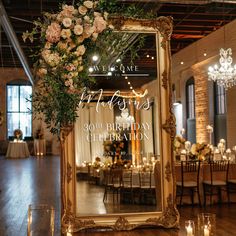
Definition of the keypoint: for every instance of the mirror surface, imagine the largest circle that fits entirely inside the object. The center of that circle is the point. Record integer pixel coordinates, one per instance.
(117, 135)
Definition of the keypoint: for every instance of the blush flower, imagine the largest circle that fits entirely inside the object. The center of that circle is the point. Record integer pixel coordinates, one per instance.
(65, 33)
(88, 4)
(67, 22)
(83, 10)
(99, 24)
(78, 29)
(53, 32)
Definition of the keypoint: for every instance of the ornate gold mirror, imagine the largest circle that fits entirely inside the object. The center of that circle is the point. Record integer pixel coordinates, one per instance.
(126, 129)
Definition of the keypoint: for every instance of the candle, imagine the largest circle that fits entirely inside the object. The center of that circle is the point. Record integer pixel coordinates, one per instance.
(206, 231)
(189, 230)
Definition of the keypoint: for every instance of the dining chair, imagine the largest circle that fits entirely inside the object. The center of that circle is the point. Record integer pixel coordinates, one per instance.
(189, 183)
(107, 181)
(218, 180)
(147, 189)
(231, 183)
(126, 191)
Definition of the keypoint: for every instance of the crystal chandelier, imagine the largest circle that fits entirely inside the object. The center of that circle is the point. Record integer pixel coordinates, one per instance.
(225, 75)
(125, 120)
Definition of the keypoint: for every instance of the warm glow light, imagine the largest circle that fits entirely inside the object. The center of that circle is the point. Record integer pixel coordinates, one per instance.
(131, 87)
(181, 62)
(109, 73)
(126, 77)
(95, 58)
(225, 74)
(118, 60)
(128, 82)
(148, 55)
(90, 69)
(152, 58)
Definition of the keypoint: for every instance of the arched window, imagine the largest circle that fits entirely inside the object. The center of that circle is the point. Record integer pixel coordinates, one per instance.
(220, 100)
(190, 110)
(220, 113)
(190, 94)
(19, 108)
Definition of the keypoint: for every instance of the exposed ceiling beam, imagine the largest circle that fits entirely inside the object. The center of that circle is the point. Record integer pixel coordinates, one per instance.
(6, 25)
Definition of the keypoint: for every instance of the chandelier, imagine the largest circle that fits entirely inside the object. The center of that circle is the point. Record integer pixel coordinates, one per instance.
(225, 75)
(125, 120)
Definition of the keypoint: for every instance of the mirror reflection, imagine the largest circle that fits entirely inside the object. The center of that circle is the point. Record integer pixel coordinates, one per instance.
(117, 133)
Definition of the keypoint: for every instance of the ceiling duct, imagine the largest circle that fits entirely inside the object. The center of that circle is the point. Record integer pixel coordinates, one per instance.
(9, 31)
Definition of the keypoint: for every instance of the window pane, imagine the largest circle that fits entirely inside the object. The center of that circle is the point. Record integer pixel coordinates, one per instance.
(13, 98)
(25, 124)
(13, 123)
(25, 92)
(19, 115)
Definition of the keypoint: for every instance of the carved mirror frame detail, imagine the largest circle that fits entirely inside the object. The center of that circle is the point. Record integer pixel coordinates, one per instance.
(169, 217)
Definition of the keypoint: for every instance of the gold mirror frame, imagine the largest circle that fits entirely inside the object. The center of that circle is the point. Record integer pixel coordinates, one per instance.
(169, 217)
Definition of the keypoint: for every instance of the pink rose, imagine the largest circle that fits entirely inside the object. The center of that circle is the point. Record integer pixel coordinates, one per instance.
(83, 10)
(99, 24)
(53, 33)
(88, 30)
(78, 29)
(88, 4)
(67, 22)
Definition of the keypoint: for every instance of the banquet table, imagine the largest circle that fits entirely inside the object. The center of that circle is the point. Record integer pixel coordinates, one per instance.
(39, 147)
(17, 150)
(205, 175)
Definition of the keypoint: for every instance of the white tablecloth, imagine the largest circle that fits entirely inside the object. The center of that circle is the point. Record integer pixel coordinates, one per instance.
(17, 150)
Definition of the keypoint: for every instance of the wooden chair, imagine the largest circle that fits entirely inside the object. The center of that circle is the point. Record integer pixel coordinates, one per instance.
(112, 181)
(189, 184)
(147, 189)
(218, 180)
(231, 184)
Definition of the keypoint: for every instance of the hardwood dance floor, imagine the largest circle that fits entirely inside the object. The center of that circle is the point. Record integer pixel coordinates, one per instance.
(36, 180)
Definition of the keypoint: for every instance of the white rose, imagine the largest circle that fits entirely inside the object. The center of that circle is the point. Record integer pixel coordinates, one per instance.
(83, 10)
(67, 22)
(88, 4)
(78, 29)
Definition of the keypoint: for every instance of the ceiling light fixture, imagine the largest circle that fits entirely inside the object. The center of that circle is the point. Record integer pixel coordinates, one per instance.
(225, 74)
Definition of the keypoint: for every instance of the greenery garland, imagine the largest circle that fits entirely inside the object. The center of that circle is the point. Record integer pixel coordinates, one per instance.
(67, 40)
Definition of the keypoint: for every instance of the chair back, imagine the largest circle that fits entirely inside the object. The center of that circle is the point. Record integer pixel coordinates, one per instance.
(190, 168)
(116, 177)
(217, 167)
(127, 178)
(145, 179)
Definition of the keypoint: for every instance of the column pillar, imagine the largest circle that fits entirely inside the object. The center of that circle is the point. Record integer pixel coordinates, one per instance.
(201, 104)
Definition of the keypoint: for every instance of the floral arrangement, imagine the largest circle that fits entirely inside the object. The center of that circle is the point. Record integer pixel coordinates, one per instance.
(201, 151)
(67, 39)
(115, 149)
(18, 134)
(179, 144)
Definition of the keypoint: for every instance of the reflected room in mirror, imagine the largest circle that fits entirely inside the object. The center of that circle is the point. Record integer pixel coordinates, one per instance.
(117, 159)
(117, 134)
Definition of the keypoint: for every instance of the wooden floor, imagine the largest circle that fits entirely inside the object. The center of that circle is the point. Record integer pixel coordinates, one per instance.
(33, 180)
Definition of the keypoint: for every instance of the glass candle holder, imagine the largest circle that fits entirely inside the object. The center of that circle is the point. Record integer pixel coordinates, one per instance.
(40, 220)
(206, 224)
(190, 228)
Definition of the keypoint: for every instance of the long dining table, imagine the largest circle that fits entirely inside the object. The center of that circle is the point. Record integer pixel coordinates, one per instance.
(206, 175)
